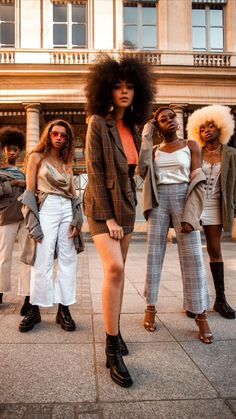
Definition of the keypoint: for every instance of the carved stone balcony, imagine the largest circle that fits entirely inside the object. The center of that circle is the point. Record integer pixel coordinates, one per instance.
(211, 60)
(85, 57)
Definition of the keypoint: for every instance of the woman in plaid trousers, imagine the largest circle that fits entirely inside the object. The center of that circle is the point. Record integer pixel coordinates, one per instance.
(173, 195)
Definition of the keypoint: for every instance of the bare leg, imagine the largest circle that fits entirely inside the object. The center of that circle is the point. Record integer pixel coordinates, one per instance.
(213, 239)
(113, 255)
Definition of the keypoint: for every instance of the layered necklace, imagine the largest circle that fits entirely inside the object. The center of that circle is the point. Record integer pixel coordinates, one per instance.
(212, 151)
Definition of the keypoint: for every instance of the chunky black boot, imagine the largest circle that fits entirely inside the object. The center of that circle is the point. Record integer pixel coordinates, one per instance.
(118, 371)
(26, 306)
(1, 295)
(123, 346)
(221, 305)
(32, 317)
(64, 318)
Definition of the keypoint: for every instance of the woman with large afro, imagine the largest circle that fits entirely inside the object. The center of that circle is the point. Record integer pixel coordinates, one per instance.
(119, 95)
(212, 126)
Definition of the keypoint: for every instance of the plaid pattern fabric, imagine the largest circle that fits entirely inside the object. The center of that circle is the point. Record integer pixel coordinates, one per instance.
(171, 206)
(108, 193)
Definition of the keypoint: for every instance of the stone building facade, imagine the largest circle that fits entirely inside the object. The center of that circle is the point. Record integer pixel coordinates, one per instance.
(48, 46)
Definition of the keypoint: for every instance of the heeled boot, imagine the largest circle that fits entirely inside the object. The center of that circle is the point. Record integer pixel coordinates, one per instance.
(123, 346)
(64, 318)
(118, 371)
(1, 295)
(221, 305)
(26, 306)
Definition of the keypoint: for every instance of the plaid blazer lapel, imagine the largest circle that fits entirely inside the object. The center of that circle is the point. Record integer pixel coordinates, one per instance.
(111, 125)
(137, 140)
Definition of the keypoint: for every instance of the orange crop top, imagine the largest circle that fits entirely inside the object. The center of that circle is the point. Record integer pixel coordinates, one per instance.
(127, 142)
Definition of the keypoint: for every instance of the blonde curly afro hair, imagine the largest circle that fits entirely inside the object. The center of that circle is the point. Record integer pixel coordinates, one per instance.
(221, 117)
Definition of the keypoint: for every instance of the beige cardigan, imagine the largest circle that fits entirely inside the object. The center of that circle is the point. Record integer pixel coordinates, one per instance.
(195, 193)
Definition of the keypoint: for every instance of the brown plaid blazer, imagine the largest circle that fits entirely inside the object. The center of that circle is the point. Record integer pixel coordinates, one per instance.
(107, 194)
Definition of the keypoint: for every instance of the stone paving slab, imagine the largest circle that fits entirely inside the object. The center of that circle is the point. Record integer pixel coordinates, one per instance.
(132, 303)
(232, 404)
(48, 331)
(175, 375)
(47, 373)
(159, 371)
(218, 363)
(186, 409)
(132, 330)
(50, 411)
(185, 329)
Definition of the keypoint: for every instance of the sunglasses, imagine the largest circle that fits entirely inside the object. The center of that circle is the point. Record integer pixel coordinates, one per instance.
(56, 134)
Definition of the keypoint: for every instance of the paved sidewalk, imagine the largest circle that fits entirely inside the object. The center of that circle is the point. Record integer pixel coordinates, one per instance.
(48, 373)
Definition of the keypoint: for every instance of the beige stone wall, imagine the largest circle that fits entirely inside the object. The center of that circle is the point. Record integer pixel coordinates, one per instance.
(174, 25)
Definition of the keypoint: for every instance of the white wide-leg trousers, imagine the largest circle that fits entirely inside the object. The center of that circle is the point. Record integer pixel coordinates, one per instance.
(55, 218)
(8, 235)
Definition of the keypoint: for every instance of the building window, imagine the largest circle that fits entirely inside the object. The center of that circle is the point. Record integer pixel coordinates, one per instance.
(140, 19)
(7, 25)
(208, 27)
(69, 25)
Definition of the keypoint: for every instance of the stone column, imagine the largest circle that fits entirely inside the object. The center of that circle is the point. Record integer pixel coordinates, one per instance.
(32, 124)
(179, 110)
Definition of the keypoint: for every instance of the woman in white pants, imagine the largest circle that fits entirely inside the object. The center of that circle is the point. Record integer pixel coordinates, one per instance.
(49, 176)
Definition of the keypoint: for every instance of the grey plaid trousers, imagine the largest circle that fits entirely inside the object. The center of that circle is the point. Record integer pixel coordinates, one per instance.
(171, 200)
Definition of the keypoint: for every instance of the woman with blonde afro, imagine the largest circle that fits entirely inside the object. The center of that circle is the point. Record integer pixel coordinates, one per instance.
(212, 126)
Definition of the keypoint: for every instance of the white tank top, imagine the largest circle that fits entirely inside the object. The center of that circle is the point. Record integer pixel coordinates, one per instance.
(172, 167)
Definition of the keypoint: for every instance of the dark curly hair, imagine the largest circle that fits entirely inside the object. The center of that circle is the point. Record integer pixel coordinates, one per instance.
(45, 144)
(104, 75)
(12, 136)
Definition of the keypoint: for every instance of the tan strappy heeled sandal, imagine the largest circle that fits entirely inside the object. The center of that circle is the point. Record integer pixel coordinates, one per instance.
(149, 319)
(205, 334)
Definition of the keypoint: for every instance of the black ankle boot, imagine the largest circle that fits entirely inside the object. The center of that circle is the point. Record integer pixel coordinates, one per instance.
(31, 318)
(118, 371)
(123, 346)
(221, 305)
(1, 295)
(64, 318)
(26, 306)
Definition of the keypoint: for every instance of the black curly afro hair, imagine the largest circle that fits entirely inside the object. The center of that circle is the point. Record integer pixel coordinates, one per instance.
(104, 75)
(12, 136)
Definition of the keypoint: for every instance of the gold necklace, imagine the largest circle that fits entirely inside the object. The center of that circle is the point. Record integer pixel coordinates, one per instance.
(172, 142)
(212, 151)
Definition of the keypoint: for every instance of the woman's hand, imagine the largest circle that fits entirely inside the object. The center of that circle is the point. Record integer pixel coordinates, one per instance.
(186, 228)
(73, 232)
(116, 232)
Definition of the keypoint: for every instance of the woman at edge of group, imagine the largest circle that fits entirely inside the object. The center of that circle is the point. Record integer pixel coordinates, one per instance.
(119, 95)
(212, 126)
(173, 193)
(49, 177)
